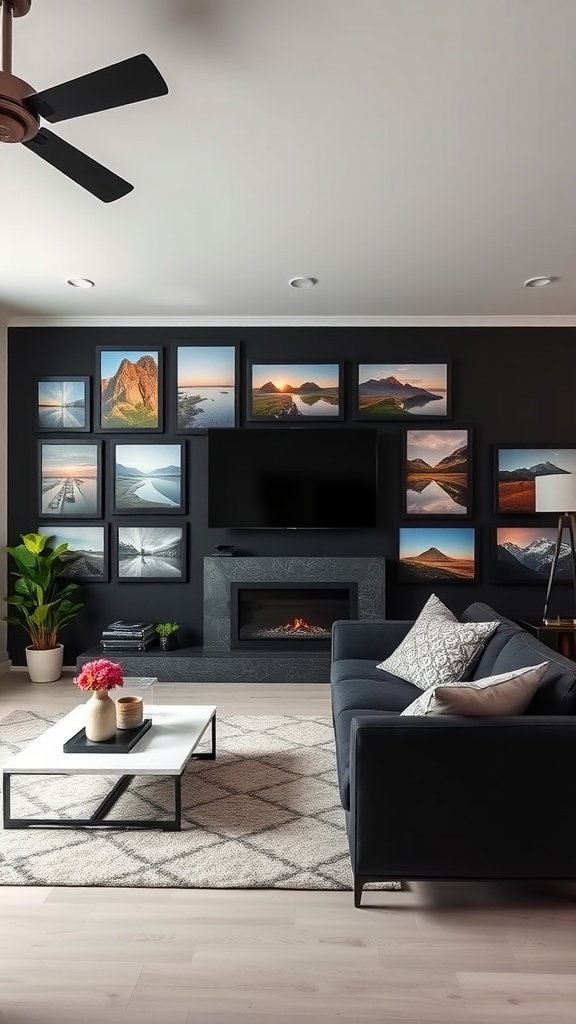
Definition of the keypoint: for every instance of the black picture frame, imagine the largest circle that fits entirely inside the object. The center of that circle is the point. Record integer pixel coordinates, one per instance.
(80, 573)
(182, 418)
(447, 465)
(115, 424)
(53, 501)
(162, 484)
(286, 414)
(517, 497)
(385, 369)
(145, 541)
(44, 427)
(522, 567)
(433, 569)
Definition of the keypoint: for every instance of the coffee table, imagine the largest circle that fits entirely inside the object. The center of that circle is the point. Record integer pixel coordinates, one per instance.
(164, 750)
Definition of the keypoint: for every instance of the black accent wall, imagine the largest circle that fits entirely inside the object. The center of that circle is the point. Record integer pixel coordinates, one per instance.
(509, 385)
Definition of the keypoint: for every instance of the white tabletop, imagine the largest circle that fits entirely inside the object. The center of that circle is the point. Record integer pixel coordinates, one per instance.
(164, 750)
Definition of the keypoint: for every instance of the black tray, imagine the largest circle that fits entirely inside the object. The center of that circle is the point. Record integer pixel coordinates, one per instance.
(121, 743)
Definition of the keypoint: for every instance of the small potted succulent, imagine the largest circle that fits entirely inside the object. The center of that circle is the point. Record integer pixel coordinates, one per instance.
(166, 631)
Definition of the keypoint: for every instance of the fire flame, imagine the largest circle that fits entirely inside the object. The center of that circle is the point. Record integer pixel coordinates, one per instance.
(297, 624)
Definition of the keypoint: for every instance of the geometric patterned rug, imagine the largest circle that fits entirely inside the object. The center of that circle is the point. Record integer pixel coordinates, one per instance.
(264, 815)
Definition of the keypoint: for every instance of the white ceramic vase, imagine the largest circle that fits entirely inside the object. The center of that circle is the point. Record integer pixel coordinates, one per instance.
(45, 666)
(100, 721)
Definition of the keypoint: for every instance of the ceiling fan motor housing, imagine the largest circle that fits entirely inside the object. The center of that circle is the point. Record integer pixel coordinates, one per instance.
(17, 124)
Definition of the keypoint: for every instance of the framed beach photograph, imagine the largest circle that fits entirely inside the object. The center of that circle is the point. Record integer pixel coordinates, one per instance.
(128, 388)
(63, 404)
(148, 477)
(443, 554)
(70, 479)
(206, 387)
(402, 391)
(437, 473)
(523, 473)
(150, 554)
(294, 392)
(87, 556)
(523, 554)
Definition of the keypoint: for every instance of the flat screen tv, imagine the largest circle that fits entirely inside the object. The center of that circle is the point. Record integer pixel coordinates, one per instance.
(292, 478)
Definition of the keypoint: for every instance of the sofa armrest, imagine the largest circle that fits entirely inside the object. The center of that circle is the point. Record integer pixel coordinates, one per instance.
(367, 639)
(463, 797)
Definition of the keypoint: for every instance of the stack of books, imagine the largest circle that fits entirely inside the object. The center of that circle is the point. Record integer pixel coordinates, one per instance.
(123, 635)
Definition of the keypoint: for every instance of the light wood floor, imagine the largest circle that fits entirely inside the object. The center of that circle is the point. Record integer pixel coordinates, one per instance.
(445, 952)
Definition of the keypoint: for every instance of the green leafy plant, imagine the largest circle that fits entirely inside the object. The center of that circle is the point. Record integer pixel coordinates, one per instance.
(43, 604)
(166, 628)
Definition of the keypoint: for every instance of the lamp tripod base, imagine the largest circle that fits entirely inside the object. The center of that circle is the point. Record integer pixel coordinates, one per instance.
(565, 521)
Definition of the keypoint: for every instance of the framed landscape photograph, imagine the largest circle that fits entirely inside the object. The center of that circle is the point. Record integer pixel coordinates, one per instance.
(294, 392)
(518, 470)
(64, 403)
(128, 391)
(402, 391)
(70, 479)
(437, 473)
(523, 554)
(151, 553)
(444, 554)
(87, 555)
(206, 386)
(148, 477)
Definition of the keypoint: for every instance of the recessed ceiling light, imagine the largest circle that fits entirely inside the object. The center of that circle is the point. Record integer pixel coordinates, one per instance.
(80, 282)
(303, 282)
(539, 282)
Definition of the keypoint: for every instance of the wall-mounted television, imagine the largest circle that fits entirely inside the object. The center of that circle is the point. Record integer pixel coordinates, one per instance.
(292, 478)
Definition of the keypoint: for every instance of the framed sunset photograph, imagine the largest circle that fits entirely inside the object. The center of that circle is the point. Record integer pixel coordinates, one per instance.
(70, 479)
(437, 555)
(87, 555)
(128, 391)
(148, 477)
(294, 392)
(523, 554)
(64, 404)
(206, 386)
(437, 473)
(151, 554)
(523, 473)
(402, 391)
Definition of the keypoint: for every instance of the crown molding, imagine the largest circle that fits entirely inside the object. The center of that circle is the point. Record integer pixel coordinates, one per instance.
(520, 320)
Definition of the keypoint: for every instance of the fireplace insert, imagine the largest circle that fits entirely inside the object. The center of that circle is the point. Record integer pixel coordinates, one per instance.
(290, 616)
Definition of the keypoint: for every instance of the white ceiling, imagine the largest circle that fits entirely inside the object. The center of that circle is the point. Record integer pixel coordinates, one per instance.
(416, 156)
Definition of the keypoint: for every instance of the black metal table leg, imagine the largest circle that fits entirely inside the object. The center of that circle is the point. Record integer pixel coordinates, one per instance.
(114, 795)
(6, 797)
(209, 755)
(178, 802)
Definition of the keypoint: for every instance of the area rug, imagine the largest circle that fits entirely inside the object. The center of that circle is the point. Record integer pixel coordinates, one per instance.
(264, 815)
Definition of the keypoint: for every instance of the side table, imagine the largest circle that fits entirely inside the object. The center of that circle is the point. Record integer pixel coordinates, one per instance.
(559, 636)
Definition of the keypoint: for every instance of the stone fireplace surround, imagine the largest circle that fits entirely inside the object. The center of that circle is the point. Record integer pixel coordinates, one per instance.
(217, 662)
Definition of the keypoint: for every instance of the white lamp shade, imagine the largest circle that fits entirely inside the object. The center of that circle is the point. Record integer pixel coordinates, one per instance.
(556, 493)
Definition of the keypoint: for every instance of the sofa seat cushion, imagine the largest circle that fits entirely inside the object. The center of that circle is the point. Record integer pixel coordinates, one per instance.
(342, 729)
(372, 689)
(556, 694)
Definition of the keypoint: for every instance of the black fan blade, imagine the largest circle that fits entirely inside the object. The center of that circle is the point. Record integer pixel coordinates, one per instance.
(129, 81)
(85, 171)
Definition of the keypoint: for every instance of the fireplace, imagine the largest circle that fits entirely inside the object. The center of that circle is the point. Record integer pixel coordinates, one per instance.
(288, 616)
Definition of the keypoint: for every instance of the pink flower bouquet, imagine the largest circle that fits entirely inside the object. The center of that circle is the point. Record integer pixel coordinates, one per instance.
(99, 675)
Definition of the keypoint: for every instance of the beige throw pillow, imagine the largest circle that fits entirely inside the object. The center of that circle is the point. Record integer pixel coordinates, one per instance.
(506, 694)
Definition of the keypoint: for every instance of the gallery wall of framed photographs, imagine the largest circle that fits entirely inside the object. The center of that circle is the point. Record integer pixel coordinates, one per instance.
(108, 450)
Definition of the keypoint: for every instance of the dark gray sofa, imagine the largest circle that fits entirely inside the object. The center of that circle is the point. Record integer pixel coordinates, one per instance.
(459, 798)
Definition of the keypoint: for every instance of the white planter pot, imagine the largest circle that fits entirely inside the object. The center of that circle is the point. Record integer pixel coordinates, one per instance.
(45, 666)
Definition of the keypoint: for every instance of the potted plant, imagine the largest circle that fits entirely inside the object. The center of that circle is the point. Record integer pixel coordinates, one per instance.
(43, 605)
(166, 632)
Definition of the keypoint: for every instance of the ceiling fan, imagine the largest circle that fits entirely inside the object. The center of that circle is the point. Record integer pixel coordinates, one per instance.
(21, 108)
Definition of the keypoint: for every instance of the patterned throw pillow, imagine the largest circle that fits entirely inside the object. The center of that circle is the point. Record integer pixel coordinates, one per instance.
(506, 694)
(438, 649)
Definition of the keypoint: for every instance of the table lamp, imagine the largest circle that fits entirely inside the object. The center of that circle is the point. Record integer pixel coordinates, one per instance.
(557, 493)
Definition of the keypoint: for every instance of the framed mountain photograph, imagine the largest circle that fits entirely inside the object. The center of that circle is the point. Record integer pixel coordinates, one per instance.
(523, 554)
(87, 556)
(402, 391)
(444, 554)
(206, 387)
(70, 479)
(437, 473)
(523, 472)
(64, 404)
(128, 391)
(150, 554)
(294, 392)
(148, 477)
